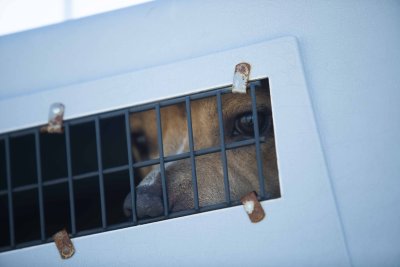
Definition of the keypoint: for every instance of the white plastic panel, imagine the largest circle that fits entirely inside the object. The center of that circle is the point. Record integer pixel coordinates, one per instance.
(302, 228)
(350, 51)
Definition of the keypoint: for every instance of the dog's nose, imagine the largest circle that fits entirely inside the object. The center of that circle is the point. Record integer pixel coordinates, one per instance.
(148, 203)
(128, 205)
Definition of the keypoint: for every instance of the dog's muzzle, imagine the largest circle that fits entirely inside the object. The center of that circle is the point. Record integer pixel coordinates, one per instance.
(147, 205)
(149, 201)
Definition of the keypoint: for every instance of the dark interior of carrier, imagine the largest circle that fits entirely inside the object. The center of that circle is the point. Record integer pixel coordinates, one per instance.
(78, 180)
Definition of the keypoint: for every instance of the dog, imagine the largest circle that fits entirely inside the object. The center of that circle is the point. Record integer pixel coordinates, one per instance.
(241, 162)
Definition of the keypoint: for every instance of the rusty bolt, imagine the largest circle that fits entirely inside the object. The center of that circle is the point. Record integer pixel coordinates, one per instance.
(253, 207)
(64, 244)
(56, 116)
(241, 78)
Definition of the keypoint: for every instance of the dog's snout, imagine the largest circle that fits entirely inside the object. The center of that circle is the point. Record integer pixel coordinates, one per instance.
(149, 201)
(148, 204)
(128, 205)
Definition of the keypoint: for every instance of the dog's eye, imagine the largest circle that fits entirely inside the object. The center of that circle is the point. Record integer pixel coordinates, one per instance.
(139, 140)
(244, 124)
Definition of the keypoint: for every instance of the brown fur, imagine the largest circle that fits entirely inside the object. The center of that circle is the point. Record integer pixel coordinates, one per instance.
(242, 165)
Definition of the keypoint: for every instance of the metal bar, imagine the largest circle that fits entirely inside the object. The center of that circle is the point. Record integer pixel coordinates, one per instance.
(120, 226)
(130, 162)
(182, 213)
(241, 143)
(177, 157)
(223, 149)
(146, 163)
(191, 147)
(144, 107)
(24, 188)
(9, 188)
(112, 114)
(174, 101)
(210, 93)
(54, 182)
(23, 132)
(2, 249)
(257, 138)
(65, 179)
(197, 96)
(90, 231)
(3, 192)
(82, 120)
(200, 152)
(208, 150)
(40, 185)
(161, 154)
(141, 164)
(189, 212)
(214, 207)
(150, 220)
(204, 209)
(28, 244)
(85, 175)
(116, 169)
(235, 203)
(101, 178)
(70, 181)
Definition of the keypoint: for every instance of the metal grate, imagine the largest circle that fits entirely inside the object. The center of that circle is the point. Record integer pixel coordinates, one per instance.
(47, 181)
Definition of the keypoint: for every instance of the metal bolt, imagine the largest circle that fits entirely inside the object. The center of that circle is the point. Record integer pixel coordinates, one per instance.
(64, 244)
(56, 115)
(56, 110)
(241, 78)
(253, 207)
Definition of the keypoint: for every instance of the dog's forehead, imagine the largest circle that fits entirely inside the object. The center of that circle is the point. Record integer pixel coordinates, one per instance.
(242, 102)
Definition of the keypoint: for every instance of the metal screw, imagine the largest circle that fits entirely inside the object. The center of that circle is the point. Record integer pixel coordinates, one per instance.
(56, 115)
(241, 78)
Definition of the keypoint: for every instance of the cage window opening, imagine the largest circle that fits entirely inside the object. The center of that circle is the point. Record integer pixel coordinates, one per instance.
(95, 167)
